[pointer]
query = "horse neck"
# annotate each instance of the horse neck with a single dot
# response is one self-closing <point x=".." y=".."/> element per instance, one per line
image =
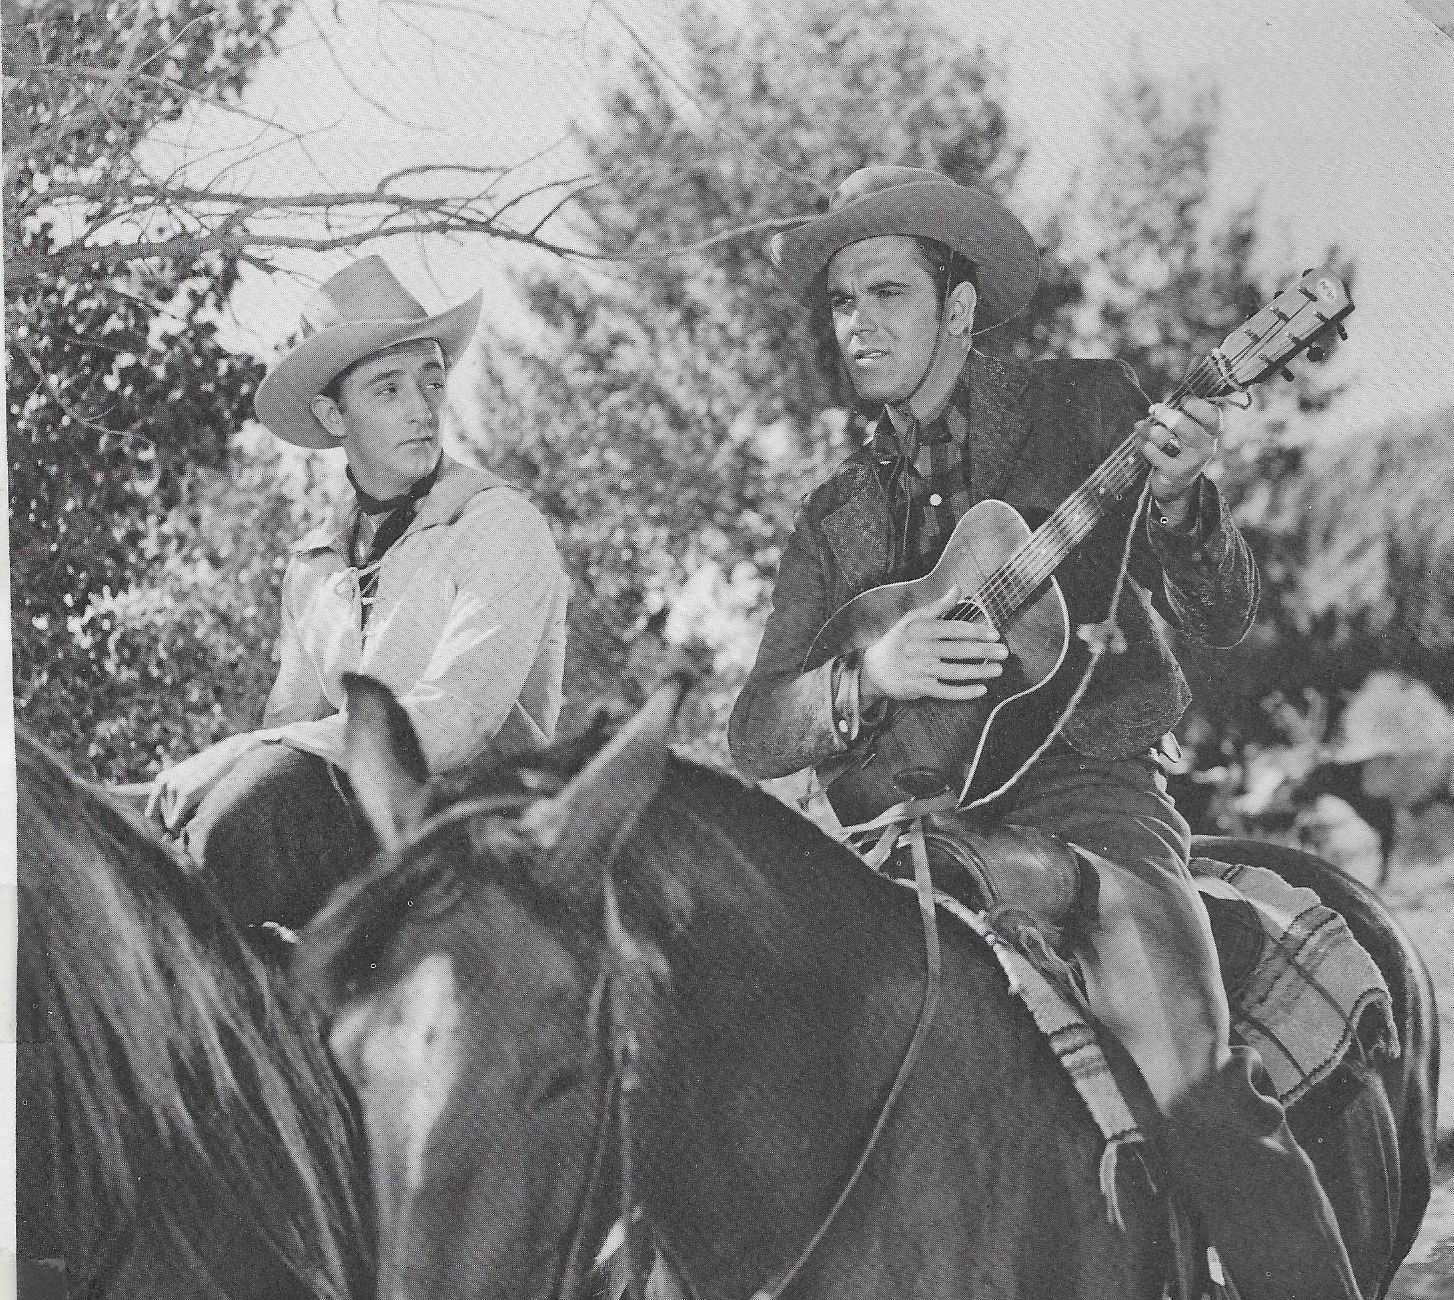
<point x="794" y="985"/>
<point x="175" y="1104"/>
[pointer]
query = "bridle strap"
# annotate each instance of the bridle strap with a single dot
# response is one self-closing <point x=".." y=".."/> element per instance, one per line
<point x="624" y="1082"/>
<point x="924" y="886"/>
<point x="573" y="1267"/>
<point x="632" y="1219"/>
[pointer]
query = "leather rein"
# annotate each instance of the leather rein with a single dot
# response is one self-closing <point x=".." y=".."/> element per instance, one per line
<point x="621" y="1082"/>
<point x="621" y="1079"/>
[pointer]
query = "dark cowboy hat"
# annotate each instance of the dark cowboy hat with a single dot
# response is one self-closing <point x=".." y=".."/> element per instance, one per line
<point x="359" y="311"/>
<point x="915" y="201"/>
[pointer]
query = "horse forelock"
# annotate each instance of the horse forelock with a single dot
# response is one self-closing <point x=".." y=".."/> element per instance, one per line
<point x="480" y="801"/>
<point x="470" y="836"/>
<point x="174" y="1066"/>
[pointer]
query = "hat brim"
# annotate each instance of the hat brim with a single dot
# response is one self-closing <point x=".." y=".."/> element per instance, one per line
<point x="967" y="220"/>
<point x="284" y="400"/>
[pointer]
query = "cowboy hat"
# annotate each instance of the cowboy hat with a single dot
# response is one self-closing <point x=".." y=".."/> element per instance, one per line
<point x="361" y="310"/>
<point x="915" y="201"/>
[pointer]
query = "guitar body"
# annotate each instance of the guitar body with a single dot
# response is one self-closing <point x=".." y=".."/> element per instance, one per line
<point x="973" y="747"/>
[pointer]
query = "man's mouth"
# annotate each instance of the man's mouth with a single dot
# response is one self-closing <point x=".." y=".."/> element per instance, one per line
<point x="869" y="354"/>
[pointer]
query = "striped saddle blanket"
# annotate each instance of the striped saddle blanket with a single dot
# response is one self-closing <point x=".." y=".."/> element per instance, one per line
<point x="1303" y="1002"/>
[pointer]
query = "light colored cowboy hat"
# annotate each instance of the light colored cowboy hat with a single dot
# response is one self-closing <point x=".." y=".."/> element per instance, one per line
<point x="361" y="310"/>
<point x="881" y="200"/>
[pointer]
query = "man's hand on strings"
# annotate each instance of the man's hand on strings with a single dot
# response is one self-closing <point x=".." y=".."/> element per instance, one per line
<point x="925" y="654"/>
<point x="1178" y="443"/>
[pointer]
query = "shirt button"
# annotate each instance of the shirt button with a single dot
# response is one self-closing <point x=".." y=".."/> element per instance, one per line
<point x="936" y="500"/>
<point x="843" y="725"/>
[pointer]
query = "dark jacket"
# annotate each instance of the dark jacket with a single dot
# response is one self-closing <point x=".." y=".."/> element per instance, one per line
<point x="1036" y="433"/>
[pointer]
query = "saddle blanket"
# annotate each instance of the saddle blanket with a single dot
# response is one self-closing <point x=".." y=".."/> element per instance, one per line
<point x="1301" y="1006"/>
<point x="1315" y="989"/>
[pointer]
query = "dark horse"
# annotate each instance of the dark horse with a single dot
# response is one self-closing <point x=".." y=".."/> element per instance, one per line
<point x="1348" y="781"/>
<point x="180" y="1128"/>
<point x="653" y="994"/>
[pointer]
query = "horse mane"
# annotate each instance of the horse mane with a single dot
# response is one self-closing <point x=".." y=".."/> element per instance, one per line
<point x="181" y="1080"/>
<point x="770" y="841"/>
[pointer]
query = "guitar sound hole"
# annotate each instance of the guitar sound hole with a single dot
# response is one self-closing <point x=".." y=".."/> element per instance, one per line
<point x="922" y="782"/>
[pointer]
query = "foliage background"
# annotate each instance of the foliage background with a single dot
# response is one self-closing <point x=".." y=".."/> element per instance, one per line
<point x="669" y="412"/>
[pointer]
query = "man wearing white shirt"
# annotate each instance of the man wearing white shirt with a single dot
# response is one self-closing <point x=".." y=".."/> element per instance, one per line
<point x="440" y="580"/>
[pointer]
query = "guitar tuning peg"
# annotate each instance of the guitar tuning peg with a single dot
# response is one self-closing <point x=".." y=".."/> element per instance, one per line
<point x="1342" y="333"/>
<point x="1287" y="374"/>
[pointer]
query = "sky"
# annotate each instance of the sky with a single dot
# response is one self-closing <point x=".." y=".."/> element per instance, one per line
<point x="1338" y="118"/>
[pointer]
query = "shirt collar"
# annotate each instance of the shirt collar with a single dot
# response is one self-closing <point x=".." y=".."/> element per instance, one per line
<point x="456" y="486"/>
<point x="894" y="433"/>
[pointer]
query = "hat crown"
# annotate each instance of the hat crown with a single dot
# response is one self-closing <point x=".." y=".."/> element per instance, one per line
<point x="876" y="179"/>
<point x="365" y="290"/>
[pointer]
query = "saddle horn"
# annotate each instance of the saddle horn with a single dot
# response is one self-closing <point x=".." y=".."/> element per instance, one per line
<point x="598" y="809"/>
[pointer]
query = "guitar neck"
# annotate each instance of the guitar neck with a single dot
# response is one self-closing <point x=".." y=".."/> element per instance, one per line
<point x="1300" y="316"/>
<point x="1077" y="516"/>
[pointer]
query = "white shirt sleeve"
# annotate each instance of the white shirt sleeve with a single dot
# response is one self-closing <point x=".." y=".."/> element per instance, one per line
<point x="509" y="593"/>
<point x="297" y="694"/>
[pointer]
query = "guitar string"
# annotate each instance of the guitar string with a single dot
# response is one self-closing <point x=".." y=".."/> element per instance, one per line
<point x="1064" y="526"/>
<point x="1049" y="537"/>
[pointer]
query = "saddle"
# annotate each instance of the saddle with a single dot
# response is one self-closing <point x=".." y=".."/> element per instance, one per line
<point x="1036" y="892"/>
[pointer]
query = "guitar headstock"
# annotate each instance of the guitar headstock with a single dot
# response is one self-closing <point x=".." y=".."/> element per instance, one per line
<point x="1299" y="319"/>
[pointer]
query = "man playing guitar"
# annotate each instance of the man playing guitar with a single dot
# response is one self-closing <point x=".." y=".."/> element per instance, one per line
<point x="909" y="266"/>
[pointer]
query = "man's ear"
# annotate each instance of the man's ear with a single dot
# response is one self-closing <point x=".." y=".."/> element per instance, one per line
<point x="325" y="411"/>
<point x="382" y="757"/>
<point x="959" y="310"/>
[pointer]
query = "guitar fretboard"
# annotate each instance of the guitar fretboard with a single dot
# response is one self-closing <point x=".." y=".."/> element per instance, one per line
<point x="1015" y="581"/>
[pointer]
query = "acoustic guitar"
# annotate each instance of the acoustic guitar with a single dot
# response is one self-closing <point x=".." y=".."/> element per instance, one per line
<point x="931" y="747"/>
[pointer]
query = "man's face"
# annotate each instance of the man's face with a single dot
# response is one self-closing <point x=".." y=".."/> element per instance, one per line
<point x="389" y="405"/>
<point x="885" y="309"/>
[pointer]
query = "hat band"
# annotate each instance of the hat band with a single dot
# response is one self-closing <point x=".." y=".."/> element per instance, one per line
<point x="323" y="314"/>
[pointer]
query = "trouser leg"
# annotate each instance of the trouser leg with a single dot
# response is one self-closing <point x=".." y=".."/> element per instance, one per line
<point x="276" y="835"/>
<point x="1153" y="980"/>
<point x="1258" y="1193"/>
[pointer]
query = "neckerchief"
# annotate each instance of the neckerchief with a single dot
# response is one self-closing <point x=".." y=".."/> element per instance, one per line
<point x="416" y="491"/>
<point x="929" y="482"/>
<point x="398" y="514"/>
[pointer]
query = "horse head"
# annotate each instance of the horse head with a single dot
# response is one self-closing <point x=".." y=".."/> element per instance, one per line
<point x="463" y="977"/>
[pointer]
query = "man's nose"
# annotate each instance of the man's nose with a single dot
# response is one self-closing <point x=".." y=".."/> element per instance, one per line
<point x="860" y="319"/>
<point x="422" y="404"/>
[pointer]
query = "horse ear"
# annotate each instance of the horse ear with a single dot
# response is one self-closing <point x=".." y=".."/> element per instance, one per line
<point x="384" y="761"/>
<point x="595" y="813"/>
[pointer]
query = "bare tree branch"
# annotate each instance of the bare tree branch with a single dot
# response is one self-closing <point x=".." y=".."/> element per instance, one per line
<point x="352" y="82"/>
<point x="714" y="121"/>
<point x="496" y="20"/>
<point x="106" y="210"/>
